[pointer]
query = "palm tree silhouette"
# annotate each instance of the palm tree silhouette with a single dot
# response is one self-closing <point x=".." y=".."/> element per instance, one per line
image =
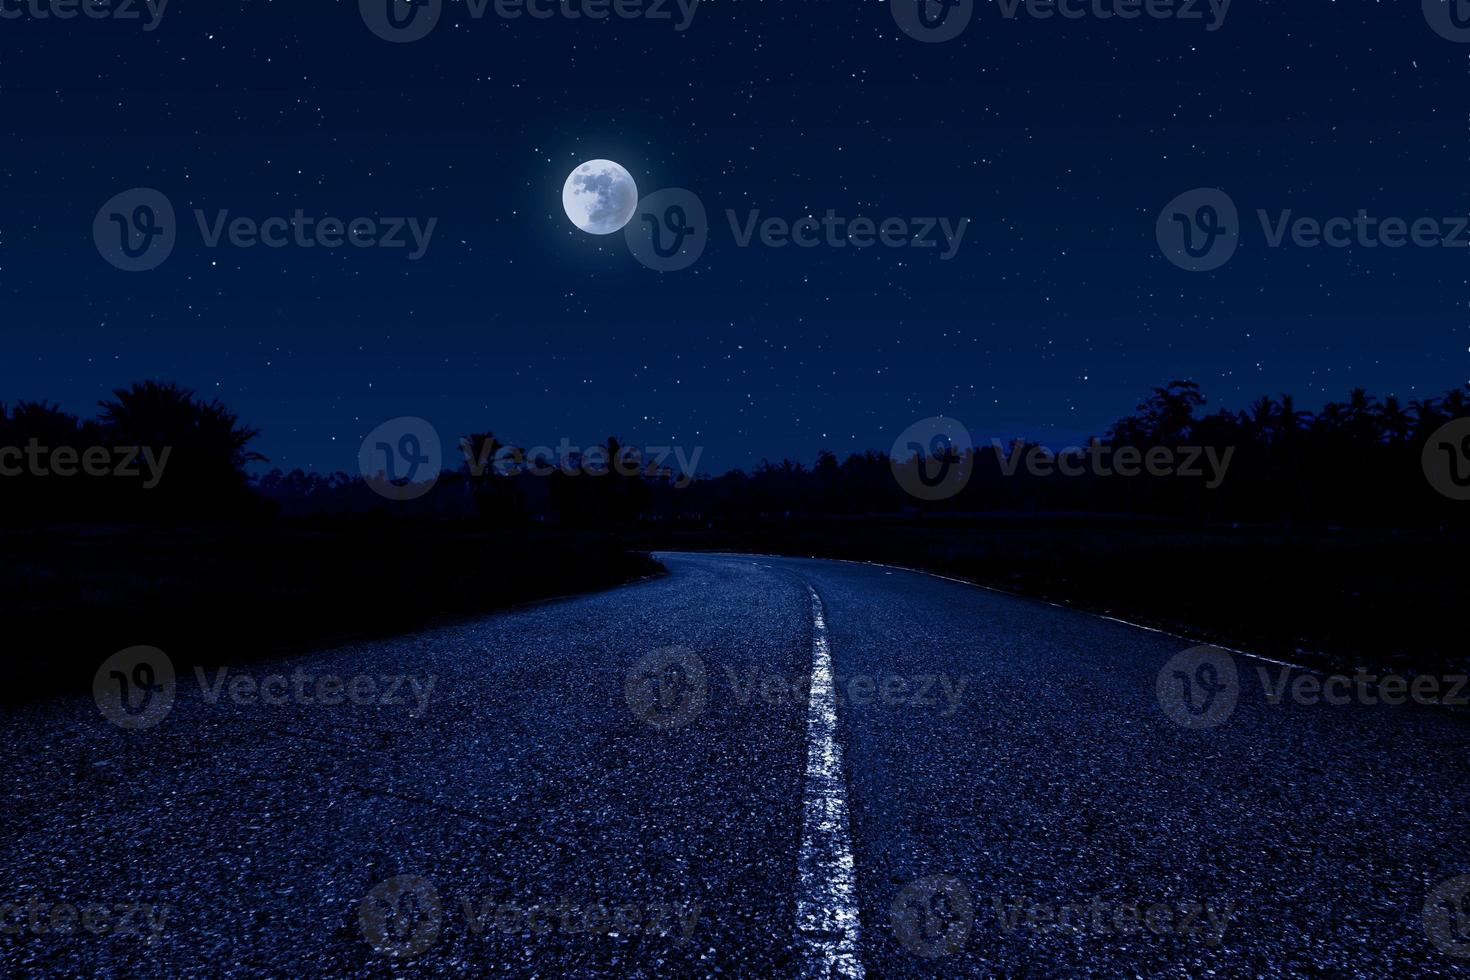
<point x="206" y="444"/>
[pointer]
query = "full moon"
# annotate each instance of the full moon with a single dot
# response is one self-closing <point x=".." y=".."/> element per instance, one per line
<point x="599" y="197"/>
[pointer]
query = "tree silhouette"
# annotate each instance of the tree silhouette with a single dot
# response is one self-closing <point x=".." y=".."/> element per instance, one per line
<point x="207" y="447"/>
<point x="494" y="492"/>
<point x="1355" y="461"/>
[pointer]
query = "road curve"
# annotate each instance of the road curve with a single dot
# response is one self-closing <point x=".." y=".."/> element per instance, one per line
<point x="614" y="784"/>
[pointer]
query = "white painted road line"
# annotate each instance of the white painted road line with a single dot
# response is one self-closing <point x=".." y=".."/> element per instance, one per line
<point x="826" y="891"/>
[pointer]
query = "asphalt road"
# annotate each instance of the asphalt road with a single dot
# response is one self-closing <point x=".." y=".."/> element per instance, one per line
<point x="614" y="784"/>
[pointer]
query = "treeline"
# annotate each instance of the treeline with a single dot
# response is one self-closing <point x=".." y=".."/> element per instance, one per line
<point x="153" y="452"/>
<point x="1356" y="461"/>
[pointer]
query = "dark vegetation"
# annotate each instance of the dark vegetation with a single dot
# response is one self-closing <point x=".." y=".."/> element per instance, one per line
<point x="1356" y="463"/>
<point x="1333" y="598"/>
<point x="1324" y="542"/>
<point x="212" y="571"/>
<point x="226" y="594"/>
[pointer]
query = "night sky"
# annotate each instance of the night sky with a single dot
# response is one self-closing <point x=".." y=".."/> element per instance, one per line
<point x="1060" y="141"/>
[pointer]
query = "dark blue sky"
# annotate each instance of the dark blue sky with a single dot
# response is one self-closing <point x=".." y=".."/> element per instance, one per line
<point x="1059" y="140"/>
